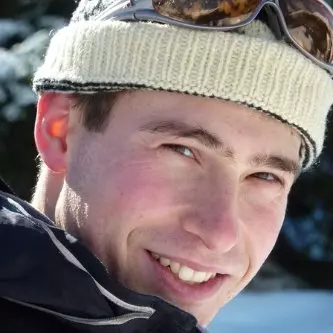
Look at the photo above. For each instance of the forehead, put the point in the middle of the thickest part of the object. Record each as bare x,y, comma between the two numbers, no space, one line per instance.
223,118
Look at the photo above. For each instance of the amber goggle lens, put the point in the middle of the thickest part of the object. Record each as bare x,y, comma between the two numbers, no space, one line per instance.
207,12
310,24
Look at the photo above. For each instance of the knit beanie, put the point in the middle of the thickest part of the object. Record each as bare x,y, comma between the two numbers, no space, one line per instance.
248,66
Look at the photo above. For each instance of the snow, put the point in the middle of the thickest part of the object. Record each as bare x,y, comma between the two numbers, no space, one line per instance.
276,312
13,29
50,22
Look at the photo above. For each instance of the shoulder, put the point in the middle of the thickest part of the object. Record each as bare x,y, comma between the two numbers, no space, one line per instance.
47,276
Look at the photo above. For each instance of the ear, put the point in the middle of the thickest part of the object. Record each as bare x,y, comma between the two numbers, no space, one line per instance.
51,129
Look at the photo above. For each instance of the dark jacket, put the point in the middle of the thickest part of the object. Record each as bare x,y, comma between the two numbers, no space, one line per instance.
49,282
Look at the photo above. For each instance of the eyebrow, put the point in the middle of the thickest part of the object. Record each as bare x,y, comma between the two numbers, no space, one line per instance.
277,162
181,129
211,141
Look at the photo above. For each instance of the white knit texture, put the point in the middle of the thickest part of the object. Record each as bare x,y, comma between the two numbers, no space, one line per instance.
251,68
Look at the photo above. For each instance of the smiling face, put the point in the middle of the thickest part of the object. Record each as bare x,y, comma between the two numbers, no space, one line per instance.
179,188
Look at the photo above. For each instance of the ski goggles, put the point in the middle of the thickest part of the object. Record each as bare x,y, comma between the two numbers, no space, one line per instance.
305,24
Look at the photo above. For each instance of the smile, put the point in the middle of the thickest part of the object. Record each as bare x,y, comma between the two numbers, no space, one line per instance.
183,272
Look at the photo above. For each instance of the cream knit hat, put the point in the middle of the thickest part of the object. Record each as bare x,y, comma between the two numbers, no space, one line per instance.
248,66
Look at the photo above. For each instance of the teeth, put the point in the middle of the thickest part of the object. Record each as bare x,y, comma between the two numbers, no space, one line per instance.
199,277
164,262
175,267
183,272
156,256
207,277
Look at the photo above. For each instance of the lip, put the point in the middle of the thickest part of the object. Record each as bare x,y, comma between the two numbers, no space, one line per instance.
178,291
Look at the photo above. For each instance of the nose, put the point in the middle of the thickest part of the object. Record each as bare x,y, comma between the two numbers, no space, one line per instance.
214,217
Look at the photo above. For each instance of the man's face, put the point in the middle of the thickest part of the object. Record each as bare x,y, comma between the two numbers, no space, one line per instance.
180,188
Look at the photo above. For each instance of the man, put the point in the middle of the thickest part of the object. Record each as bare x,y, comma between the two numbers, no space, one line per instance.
167,149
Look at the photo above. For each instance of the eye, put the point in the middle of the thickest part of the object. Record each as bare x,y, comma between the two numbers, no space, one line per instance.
267,176
183,150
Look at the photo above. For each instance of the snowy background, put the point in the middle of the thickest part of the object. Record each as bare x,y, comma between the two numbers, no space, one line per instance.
276,312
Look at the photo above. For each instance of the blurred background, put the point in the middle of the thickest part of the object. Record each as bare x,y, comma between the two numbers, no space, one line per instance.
303,258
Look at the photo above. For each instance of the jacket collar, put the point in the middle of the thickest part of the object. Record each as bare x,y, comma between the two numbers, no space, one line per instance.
5,187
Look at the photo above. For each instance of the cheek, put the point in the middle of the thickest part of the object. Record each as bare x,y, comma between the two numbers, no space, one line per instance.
129,190
262,221
150,184
147,191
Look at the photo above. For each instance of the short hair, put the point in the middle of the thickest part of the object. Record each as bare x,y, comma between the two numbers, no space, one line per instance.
95,109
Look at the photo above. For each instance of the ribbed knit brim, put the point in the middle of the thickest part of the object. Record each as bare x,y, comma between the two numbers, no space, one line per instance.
248,67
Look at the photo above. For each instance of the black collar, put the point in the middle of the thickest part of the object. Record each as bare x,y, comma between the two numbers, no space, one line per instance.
5,188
